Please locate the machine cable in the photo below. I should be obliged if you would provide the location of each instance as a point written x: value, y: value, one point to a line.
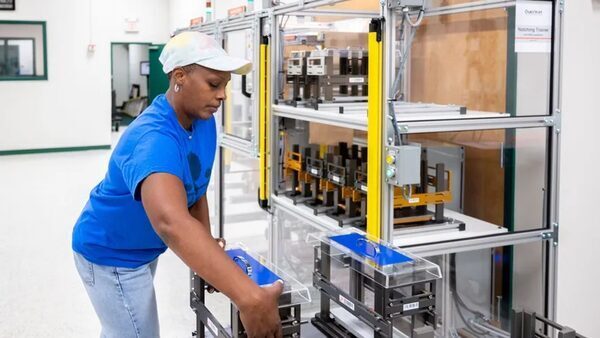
x: 403, y: 57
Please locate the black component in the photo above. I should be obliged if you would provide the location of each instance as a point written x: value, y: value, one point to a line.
x: 344, y: 67
x: 440, y: 185
x: 264, y: 204
x: 416, y: 300
x: 290, y: 315
x: 244, y: 89
x: 376, y: 25
x: 524, y: 326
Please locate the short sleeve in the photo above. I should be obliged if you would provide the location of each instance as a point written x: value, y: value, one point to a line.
x: 153, y: 153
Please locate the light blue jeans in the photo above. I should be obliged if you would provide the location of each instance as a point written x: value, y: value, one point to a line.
x: 123, y: 298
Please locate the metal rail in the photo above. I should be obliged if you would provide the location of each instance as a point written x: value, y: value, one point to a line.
x: 469, y: 7
x: 239, y: 145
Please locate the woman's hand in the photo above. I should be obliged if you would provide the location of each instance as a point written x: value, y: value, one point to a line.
x: 260, y: 315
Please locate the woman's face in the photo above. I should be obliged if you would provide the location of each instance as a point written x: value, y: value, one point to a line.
x: 201, y: 91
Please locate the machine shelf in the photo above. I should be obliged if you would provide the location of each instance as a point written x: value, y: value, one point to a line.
x: 473, y: 227
x: 355, y: 116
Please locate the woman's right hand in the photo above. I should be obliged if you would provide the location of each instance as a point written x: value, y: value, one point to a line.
x: 260, y: 314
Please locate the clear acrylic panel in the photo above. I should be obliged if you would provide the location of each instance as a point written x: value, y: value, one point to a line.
x: 316, y: 48
x: 475, y: 296
x: 480, y: 288
x: 238, y: 111
x: 243, y: 219
x: 375, y: 259
x: 473, y: 183
x: 469, y: 59
x: 294, y: 254
x: 265, y: 273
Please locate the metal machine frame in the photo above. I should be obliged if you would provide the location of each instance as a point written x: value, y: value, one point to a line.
x: 382, y: 63
x: 379, y: 135
x: 390, y: 302
x: 290, y: 315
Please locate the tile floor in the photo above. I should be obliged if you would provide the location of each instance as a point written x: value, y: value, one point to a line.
x: 41, y: 294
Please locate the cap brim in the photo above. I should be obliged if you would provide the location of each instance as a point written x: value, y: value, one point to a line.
x: 228, y: 63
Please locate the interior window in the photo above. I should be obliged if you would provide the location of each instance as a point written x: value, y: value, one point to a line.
x: 22, y: 50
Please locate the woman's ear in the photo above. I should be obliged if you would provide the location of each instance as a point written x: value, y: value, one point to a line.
x: 179, y: 76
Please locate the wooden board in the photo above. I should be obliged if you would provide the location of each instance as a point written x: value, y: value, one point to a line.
x: 359, y: 5
x: 461, y: 59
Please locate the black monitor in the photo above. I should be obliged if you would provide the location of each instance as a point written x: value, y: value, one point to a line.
x: 145, y: 68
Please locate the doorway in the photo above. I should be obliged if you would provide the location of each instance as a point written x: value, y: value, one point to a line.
x: 130, y: 69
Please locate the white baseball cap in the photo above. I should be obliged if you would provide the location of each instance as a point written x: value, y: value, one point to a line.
x: 191, y: 47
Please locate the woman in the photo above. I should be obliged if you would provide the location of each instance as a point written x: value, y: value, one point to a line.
x: 153, y: 197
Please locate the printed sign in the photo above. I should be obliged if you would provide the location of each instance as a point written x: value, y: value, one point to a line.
x: 196, y: 21
x: 7, y: 5
x: 410, y: 306
x: 346, y: 302
x: 356, y: 80
x: 236, y: 11
x: 533, y: 27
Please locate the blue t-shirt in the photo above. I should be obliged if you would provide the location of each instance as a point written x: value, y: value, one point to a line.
x: 113, y: 228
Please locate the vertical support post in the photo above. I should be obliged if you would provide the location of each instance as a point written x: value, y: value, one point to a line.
x: 264, y: 121
x: 553, y: 205
x: 237, y: 328
x: 375, y: 130
x: 199, y: 286
x: 326, y: 273
x: 356, y: 280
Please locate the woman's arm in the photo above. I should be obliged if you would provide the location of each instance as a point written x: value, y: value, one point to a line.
x: 200, y: 212
x: 165, y: 202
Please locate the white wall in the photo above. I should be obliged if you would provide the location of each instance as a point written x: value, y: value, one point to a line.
x: 72, y: 108
x: 579, y: 248
x: 181, y: 11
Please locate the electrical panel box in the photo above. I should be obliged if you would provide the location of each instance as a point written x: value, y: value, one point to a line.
x: 296, y: 63
x: 316, y: 65
x: 406, y: 3
x: 403, y: 164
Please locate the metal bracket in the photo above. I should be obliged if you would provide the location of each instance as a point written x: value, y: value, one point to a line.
x: 561, y: 6
x: 551, y: 235
x: 403, y: 128
x: 557, y: 121
x: 411, y: 4
x: 555, y: 234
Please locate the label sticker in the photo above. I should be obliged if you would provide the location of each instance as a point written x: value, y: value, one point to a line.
x: 212, y: 327
x: 410, y: 306
x: 335, y: 179
x: 413, y: 200
x: 356, y: 80
x: 363, y: 188
x: 533, y: 27
x: 314, y: 171
x: 346, y: 302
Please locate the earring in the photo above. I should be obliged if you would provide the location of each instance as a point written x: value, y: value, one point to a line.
x: 177, y: 88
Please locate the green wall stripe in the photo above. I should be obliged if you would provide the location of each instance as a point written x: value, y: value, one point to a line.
x: 52, y: 150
